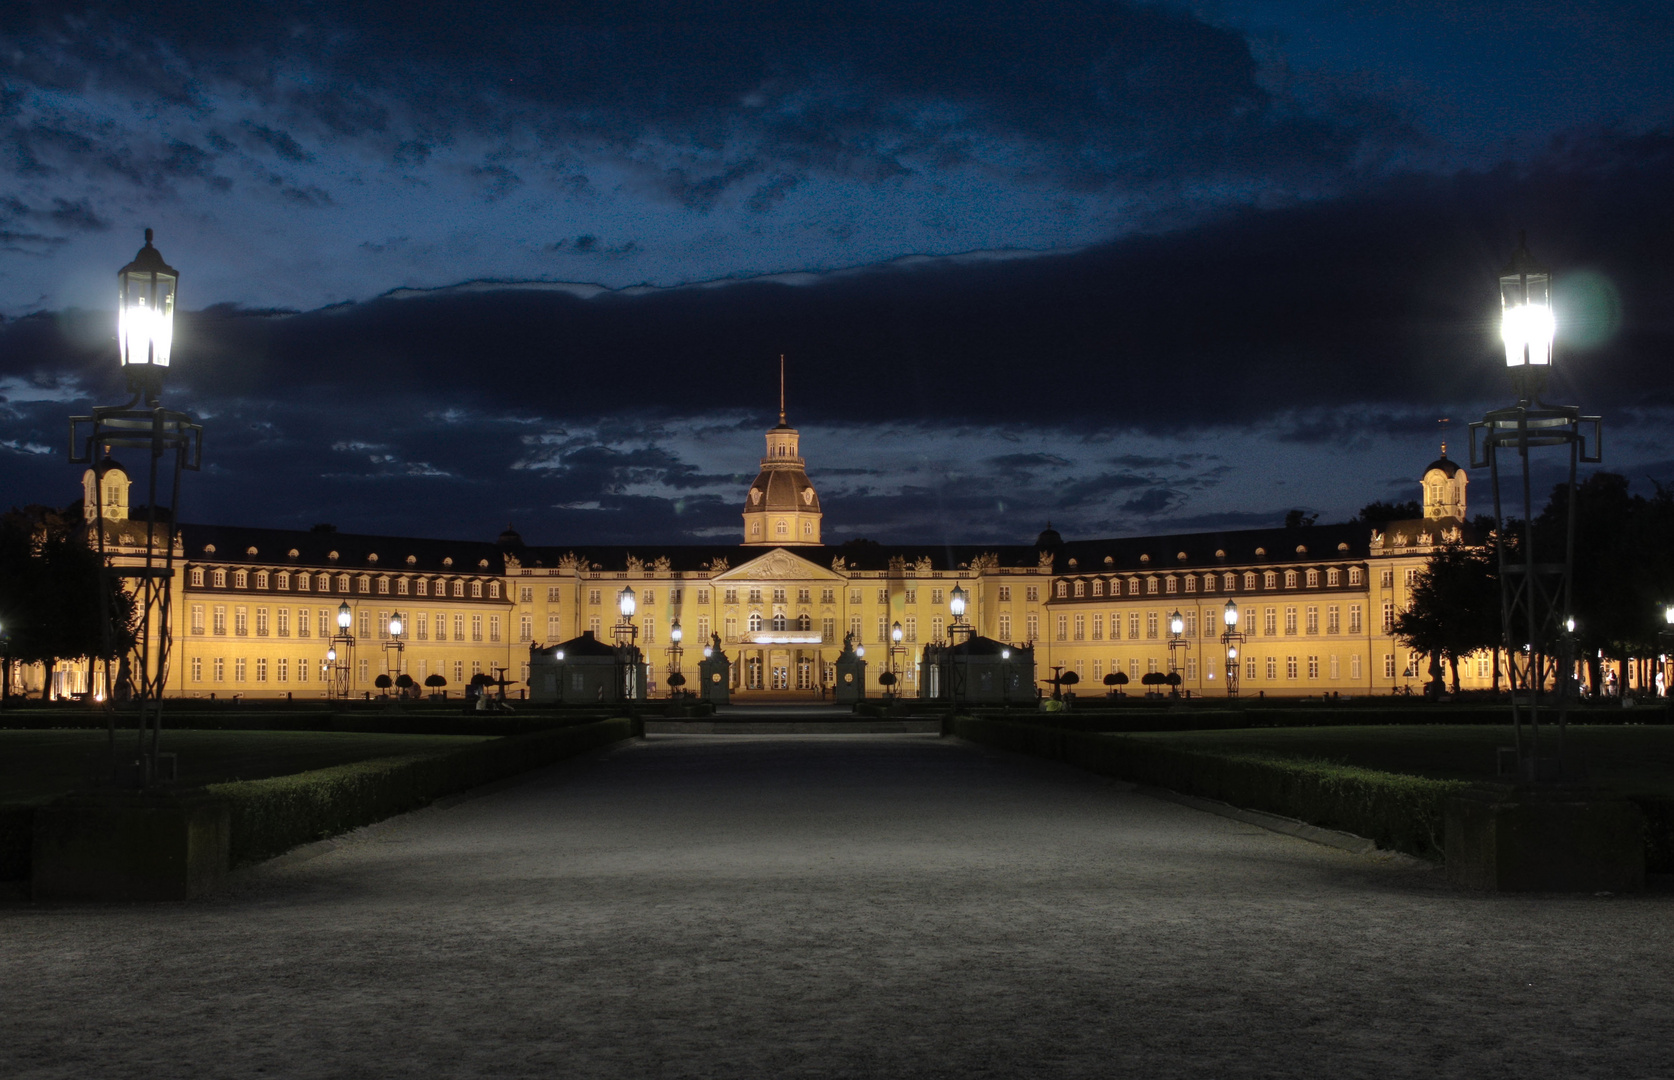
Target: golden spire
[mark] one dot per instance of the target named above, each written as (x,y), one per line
(781,389)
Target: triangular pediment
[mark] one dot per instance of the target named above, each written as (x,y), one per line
(779,564)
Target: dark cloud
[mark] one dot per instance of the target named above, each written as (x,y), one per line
(280,142)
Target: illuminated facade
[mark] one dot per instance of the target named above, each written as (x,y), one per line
(256,609)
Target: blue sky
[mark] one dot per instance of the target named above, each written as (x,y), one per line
(1225,258)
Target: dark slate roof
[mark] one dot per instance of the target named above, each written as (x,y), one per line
(781,488)
(1451,468)
(273,546)
(1323,543)
(977,645)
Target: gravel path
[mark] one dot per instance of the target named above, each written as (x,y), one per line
(889,905)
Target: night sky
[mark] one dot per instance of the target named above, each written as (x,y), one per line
(1129,267)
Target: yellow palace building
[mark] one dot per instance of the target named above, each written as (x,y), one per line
(256,610)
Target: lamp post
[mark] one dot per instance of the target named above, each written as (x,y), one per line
(1665,637)
(394,647)
(1005,677)
(894,648)
(627,653)
(172,442)
(1534,594)
(1231,639)
(957,602)
(675,679)
(1176,641)
(341,654)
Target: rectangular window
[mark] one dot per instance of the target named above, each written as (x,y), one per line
(494,628)
(1063,628)
(261,669)
(1191,584)
(365,584)
(1080,628)
(241,621)
(1033,622)
(383,586)
(552,594)
(935,628)
(197,576)
(1270,621)
(593,597)
(1173,585)
(238,669)
(594,624)
(554,629)
(281,670)
(282,622)
(1336,671)
(650,629)
(1031,593)
(1333,577)
(363,668)
(1191,663)
(1312,615)
(261,622)
(476,627)
(301,667)
(325,622)
(197,669)
(1333,620)
(912,596)
(1313,667)
(1290,667)
(421,587)
(910,626)
(1272,667)
(220,670)
(1354,667)
(936,596)
(1133,625)
(1005,594)
(302,583)
(731,626)
(1354,619)
(1191,624)
(854,628)
(220,624)
(1412,576)
(1133,669)
(1290,622)
(1354,575)
(1005,626)
(1151,625)
(1080,588)
(1098,627)
(197,618)
(1387,579)
(302,617)
(459,627)
(828,630)
(383,625)
(1389,665)
(1388,617)
(778,596)
(703,596)
(365,623)
(525,627)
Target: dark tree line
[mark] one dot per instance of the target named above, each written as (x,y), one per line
(52,604)
(1623,578)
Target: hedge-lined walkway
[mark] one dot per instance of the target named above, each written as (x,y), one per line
(837,906)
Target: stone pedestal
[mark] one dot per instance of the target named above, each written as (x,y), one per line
(129,846)
(1544,838)
(713,674)
(851,679)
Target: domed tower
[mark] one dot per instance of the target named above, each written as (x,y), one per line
(104,490)
(781,508)
(1444,489)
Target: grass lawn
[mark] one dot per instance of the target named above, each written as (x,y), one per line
(1632,760)
(39,765)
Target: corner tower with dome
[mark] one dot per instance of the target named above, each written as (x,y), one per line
(781,508)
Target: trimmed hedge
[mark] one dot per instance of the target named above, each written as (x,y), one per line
(371,722)
(269,817)
(1400,812)
(1194,717)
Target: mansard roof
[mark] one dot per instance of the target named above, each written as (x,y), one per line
(354,551)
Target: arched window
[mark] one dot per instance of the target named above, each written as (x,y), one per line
(779,623)
(804,622)
(755,622)
(780,528)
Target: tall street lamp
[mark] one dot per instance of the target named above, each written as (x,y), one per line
(1230,640)
(1176,642)
(1534,592)
(957,602)
(172,442)
(627,653)
(1665,638)
(894,648)
(341,654)
(675,679)
(394,647)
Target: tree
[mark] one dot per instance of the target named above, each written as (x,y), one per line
(1297,519)
(54,602)
(1455,607)
(1378,514)
(383,682)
